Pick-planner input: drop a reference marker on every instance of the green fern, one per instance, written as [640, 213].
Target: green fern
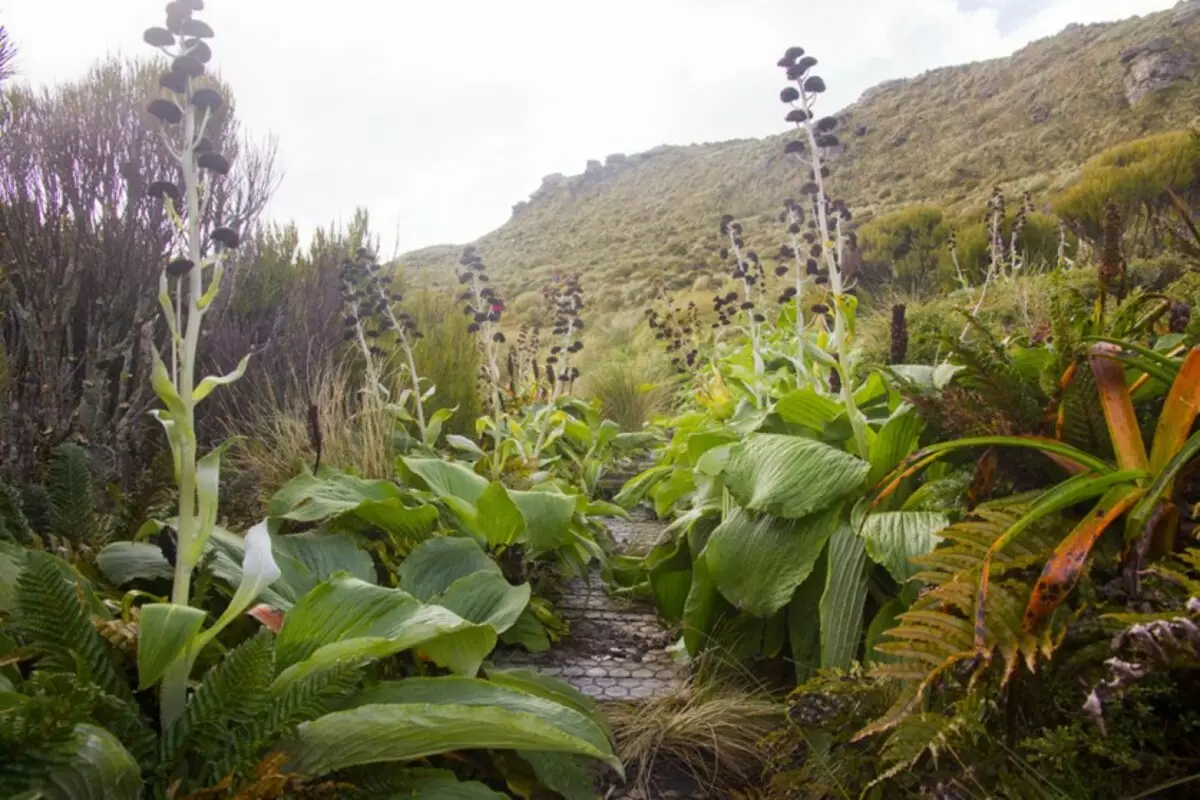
[53, 618]
[72, 512]
[304, 700]
[930, 733]
[234, 693]
[990, 370]
[37, 731]
[13, 524]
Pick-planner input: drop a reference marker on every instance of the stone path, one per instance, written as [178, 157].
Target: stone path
[616, 649]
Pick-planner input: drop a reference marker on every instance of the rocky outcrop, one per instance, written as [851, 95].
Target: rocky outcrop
[1186, 12]
[1153, 65]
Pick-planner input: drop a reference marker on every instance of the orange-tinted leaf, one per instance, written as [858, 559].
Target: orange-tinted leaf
[984, 479]
[1062, 571]
[1063, 384]
[1178, 413]
[1118, 407]
[271, 618]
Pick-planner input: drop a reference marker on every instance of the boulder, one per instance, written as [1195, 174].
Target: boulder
[1153, 66]
[1040, 115]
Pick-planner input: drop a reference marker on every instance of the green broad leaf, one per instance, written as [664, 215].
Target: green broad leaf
[808, 408]
[790, 476]
[625, 442]
[842, 601]
[897, 439]
[547, 519]
[513, 695]
[600, 508]
[403, 523]
[701, 606]
[443, 478]
[100, 768]
[572, 777]
[637, 487]
[345, 619]
[713, 462]
[486, 598]
[211, 382]
[528, 632]
[577, 432]
[894, 538]
[559, 691]
[374, 734]
[435, 564]
[872, 389]
[669, 568]
[164, 387]
[667, 493]
[308, 498]
[885, 619]
[804, 622]
[433, 428]
[700, 443]
[442, 784]
[498, 518]
[758, 561]
[463, 444]
[124, 562]
[208, 487]
[321, 555]
[167, 632]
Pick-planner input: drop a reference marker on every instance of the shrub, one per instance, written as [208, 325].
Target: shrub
[1135, 176]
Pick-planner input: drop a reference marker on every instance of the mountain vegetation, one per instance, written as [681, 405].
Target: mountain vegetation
[1027, 123]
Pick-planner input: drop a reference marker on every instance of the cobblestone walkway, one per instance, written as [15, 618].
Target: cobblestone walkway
[616, 649]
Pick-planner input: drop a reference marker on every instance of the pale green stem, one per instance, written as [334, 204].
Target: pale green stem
[173, 696]
[841, 340]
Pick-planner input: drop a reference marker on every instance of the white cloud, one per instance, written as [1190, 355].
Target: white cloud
[439, 116]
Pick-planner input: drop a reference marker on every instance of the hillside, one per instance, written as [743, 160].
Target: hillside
[1026, 122]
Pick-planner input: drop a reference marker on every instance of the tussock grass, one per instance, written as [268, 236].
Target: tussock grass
[708, 731]
[276, 442]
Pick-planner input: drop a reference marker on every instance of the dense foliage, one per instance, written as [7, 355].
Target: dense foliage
[928, 472]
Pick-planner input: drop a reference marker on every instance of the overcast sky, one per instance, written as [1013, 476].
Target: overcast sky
[438, 116]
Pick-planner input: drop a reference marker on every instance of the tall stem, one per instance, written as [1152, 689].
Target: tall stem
[832, 256]
[173, 696]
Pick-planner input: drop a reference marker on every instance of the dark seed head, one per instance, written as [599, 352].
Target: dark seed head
[789, 95]
[174, 81]
[795, 146]
[215, 162]
[166, 111]
[797, 115]
[188, 65]
[163, 190]
[826, 124]
[206, 98]
[806, 63]
[204, 146]
[198, 29]
[158, 37]
[180, 267]
[199, 50]
[226, 237]
[814, 84]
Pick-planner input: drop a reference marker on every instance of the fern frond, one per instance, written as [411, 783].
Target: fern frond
[234, 693]
[311, 697]
[13, 524]
[72, 513]
[53, 617]
[1083, 423]
[934, 639]
[930, 733]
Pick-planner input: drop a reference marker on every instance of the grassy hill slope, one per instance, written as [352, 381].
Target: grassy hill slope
[1026, 122]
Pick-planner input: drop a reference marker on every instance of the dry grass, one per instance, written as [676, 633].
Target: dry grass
[275, 439]
[709, 731]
